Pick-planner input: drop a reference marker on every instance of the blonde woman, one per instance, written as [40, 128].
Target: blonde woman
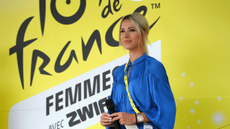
[147, 83]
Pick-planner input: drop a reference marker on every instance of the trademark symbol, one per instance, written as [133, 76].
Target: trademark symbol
[156, 5]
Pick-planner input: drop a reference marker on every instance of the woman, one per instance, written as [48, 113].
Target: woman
[147, 83]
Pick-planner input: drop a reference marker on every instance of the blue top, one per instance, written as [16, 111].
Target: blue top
[150, 90]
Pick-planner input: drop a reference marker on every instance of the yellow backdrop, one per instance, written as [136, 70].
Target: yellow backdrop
[194, 38]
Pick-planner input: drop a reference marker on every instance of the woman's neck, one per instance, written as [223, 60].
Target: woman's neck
[133, 55]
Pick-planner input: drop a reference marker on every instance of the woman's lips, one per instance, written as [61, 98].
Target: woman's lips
[127, 41]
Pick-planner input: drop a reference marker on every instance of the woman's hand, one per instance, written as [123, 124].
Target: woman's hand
[124, 118]
[106, 120]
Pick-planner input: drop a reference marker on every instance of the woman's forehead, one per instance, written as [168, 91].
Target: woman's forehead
[127, 24]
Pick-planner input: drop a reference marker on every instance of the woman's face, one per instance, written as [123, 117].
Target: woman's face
[129, 36]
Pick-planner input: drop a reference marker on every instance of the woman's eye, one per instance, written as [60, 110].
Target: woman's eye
[122, 31]
[132, 30]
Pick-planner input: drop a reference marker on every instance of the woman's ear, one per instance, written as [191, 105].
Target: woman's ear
[147, 32]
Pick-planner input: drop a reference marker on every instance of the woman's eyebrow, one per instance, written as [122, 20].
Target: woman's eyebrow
[129, 28]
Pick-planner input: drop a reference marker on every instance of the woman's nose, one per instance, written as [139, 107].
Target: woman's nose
[126, 34]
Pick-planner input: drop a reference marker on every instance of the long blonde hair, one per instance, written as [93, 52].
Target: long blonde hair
[142, 25]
